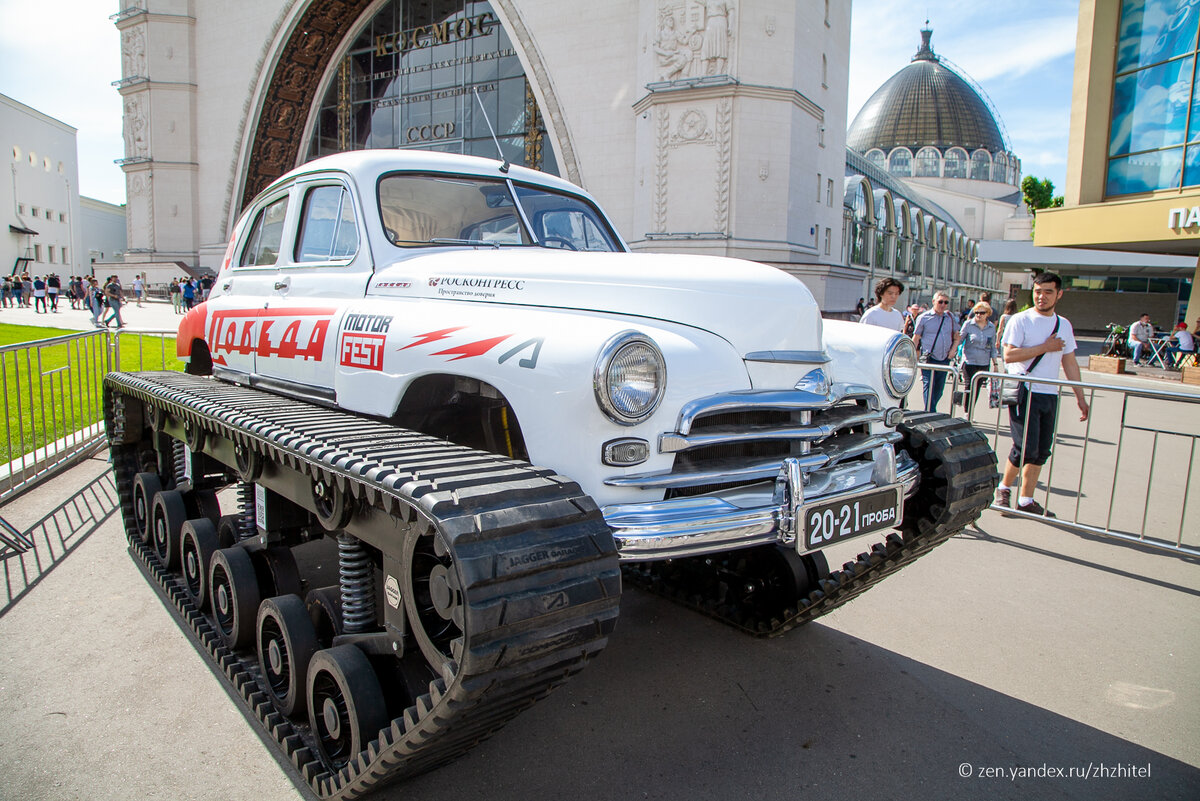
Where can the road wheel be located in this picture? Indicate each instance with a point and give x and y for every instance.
(286, 643)
(145, 487)
(345, 703)
(235, 595)
(167, 516)
(197, 544)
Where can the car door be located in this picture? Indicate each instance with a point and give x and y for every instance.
(244, 287)
(325, 268)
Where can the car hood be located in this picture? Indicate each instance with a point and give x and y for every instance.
(753, 306)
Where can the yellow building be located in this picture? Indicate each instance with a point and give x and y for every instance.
(1133, 168)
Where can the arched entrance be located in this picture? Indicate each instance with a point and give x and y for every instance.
(428, 75)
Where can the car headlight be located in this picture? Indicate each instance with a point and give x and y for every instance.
(900, 366)
(630, 378)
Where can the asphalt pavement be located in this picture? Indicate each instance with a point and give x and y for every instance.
(1015, 661)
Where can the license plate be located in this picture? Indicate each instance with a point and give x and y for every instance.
(846, 518)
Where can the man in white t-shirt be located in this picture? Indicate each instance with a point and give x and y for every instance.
(1185, 343)
(884, 313)
(1140, 333)
(1028, 336)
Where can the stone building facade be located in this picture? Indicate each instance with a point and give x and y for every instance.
(701, 125)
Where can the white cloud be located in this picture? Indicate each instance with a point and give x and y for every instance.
(61, 58)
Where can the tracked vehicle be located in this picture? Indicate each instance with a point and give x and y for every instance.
(448, 412)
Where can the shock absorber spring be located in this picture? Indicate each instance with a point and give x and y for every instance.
(246, 518)
(357, 575)
(179, 457)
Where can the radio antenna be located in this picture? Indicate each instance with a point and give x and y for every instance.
(505, 165)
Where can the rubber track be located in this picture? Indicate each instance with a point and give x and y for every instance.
(958, 479)
(533, 620)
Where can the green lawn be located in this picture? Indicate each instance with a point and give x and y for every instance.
(51, 390)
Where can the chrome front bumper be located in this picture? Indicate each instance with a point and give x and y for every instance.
(760, 514)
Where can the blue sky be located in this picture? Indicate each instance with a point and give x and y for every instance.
(1021, 52)
(61, 57)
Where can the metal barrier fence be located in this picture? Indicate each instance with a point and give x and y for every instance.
(53, 414)
(1126, 473)
(53, 418)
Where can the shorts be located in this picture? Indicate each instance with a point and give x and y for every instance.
(1033, 429)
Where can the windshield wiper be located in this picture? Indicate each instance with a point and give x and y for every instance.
(448, 241)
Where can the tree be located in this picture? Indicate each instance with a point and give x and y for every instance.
(1039, 194)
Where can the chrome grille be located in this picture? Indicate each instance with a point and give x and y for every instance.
(731, 440)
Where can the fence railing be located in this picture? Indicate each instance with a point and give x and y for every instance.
(1132, 477)
(53, 402)
(1127, 472)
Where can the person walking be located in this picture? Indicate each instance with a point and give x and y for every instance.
(26, 290)
(39, 295)
(936, 337)
(189, 294)
(978, 336)
(139, 285)
(6, 292)
(994, 317)
(910, 319)
(1010, 308)
(114, 295)
(94, 298)
(1140, 333)
(53, 287)
(884, 313)
(1037, 342)
(176, 295)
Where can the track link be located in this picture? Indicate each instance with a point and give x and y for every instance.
(958, 479)
(536, 563)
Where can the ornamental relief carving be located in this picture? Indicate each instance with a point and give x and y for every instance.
(278, 132)
(695, 38)
(136, 144)
(133, 52)
(693, 128)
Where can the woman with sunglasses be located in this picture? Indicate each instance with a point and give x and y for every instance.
(978, 335)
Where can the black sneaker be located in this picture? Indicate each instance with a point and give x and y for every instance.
(1004, 497)
(1034, 508)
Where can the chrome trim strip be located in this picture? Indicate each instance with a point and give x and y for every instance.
(321, 395)
(673, 443)
(727, 471)
(719, 472)
(789, 356)
(771, 399)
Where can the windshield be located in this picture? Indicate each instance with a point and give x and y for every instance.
(421, 210)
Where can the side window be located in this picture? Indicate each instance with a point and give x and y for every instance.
(327, 226)
(572, 230)
(563, 221)
(262, 247)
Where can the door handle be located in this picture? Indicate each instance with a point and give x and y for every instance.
(281, 284)
(225, 286)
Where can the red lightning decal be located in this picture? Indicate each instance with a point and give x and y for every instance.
(472, 348)
(433, 336)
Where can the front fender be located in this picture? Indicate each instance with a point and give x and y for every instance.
(191, 328)
(857, 355)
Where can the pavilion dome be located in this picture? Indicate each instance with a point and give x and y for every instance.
(926, 104)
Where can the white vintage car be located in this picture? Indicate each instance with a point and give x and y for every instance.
(702, 402)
